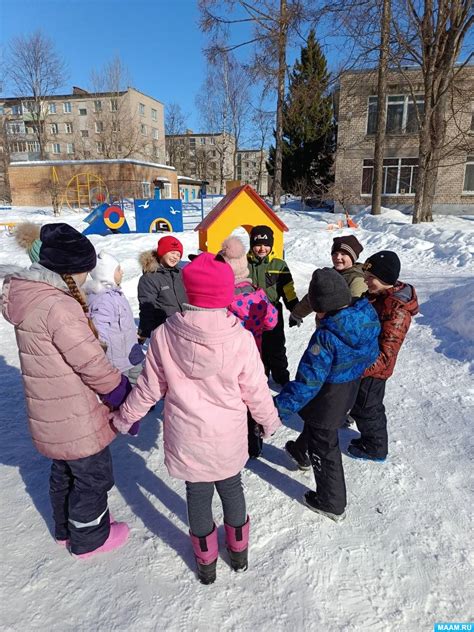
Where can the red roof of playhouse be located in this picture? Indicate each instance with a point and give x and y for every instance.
(224, 203)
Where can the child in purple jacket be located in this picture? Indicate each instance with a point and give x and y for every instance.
(112, 315)
(252, 307)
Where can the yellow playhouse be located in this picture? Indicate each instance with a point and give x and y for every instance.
(240, 207)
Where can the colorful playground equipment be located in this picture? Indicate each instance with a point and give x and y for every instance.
(151, 216)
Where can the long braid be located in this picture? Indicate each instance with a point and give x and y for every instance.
(76, 293)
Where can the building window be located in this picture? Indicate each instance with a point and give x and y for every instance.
(192, 142)
(399, 176)
(146, 189)
(67, 109)
(202, 141)
(154, 114)
(70, 148)
(115, 126)
(97, 106)
(84, 133)
(82, 112)
(17, 109)
(2, 110)
(166, 194)
(33, 146)
(100, 148)
(68, 128)
(401, 114)
(155, 134)
(17, 147)
(16, 128)
(141, 109)
(52, 108)
(56, 148)
(113, 105)
(99, 127)
(469, 175)
(53, 128)
(143, 129)
(213, 141)
(87, 154)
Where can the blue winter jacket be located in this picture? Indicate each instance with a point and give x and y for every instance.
(339, 351)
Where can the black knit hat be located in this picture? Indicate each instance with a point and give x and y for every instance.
(385, 265)
(261, 236)
(328, 291)
(65, 250)
(349, 245)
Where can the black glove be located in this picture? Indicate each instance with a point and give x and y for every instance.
(294, 321)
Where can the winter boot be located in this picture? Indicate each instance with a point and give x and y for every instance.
(359, 451)
(65, 542)
(118, 535)
(237, 542)
(206, 551)
(300, 458)
(310, 499)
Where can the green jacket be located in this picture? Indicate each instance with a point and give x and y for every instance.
(354, 278)
(274, 276)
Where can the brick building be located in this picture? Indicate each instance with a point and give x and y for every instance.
(86, 183)
(252, 169)
(357, 112)
(202, 156)
(82, 126)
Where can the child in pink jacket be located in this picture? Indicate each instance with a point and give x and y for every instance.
(64, 369)
(208, 369)
(257, 314)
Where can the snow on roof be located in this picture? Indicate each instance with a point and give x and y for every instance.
(26, 163)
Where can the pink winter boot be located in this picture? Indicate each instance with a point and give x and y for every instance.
(206, 551)
(237, 541)
(118, 535)
(65, 542)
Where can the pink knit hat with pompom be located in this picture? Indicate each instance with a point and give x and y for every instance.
(233, 251)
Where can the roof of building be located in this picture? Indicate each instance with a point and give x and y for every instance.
(78, 93)
(29, 163)
(230, 197)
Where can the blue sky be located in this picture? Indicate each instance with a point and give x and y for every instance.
(159, 42)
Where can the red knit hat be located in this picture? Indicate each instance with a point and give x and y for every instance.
(167, 244)
(209, 281)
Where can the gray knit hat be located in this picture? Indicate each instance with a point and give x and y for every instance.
(328, 291)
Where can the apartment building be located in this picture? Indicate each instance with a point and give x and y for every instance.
(252, 169)
(83, 126)
(357, 113)
(207, 157)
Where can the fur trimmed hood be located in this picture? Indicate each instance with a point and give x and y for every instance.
(27, 236)
(149, 261)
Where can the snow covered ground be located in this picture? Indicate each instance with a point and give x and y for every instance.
(403, 558)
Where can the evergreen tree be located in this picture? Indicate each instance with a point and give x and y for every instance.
(307, 125)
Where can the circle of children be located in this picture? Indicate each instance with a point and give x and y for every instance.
(80, 355)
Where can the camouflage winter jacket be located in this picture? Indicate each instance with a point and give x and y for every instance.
(395, 309)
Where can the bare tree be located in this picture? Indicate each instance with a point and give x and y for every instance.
(262, 123)
(431, 33)
(381, 112)
(273, 24)
(114, 119)
(216, 115)
(36, 72)
(175, 124)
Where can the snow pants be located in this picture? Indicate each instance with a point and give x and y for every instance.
(254, 440)
(199, 499)
(369, 415)
(78, 492)
(274, 350)
(323, 417)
